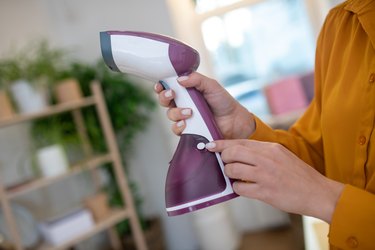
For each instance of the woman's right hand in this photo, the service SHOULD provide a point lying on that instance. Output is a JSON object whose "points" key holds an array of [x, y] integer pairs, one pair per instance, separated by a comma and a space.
{"points": [[233, 120]]}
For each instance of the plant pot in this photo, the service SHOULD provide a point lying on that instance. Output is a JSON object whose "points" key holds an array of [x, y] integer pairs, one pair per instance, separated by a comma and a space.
{"points": [[68, 90], [52, 160], [98, 206], [153, 234], [28, 100], [6, 109]]}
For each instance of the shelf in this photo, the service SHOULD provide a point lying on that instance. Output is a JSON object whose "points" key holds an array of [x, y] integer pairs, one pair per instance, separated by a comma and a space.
{"points": [[52, 110], [88, 164], [117, 216]]}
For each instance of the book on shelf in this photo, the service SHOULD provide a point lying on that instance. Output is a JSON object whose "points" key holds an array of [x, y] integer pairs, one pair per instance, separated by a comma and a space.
{"points": [[285, 95]]}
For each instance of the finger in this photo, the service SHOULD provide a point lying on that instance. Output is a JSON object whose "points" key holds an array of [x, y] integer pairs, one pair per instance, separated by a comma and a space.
{"points": [[158, 88], [166, 97], [203, 83], [242, 172], [178, 127], [220, 145], [249, 190], [245, 151], [241, 154], [177, 114]]}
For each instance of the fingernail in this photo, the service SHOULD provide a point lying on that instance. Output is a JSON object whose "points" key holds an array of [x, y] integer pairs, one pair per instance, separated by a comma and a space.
{"points": [[168, 93], [156, 87], [182, 78], [210, 145], [186, 111], [180, 124]]}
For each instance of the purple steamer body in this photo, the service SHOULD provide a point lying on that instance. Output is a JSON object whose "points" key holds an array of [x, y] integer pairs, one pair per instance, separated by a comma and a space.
{"points": [[186, 168], [185, 60]]}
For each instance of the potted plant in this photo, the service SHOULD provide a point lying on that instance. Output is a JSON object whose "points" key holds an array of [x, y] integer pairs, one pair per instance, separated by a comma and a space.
{"points": [[68, 90], [50, 153], [52, 160], [98, 205], [29, 72]]}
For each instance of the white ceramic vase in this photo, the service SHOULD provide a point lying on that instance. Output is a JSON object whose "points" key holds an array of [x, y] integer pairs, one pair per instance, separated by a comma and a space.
{"points": [[52, 160], [27, 98]]}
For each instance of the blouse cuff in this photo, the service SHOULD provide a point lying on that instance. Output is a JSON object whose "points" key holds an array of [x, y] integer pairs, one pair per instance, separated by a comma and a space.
{"points": [[353, 221], [262, 132]]}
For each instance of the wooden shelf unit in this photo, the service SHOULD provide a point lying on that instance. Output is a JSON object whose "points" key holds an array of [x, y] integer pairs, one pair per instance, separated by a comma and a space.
{"points": [[89, 164]]}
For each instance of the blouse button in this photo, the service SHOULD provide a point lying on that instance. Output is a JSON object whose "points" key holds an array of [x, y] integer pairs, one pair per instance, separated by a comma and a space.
{"points": [[352, 242], [362, 140], [372, 78]]}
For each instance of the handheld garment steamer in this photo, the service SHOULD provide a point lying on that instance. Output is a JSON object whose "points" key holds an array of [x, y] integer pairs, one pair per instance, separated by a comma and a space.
{"points": [[195, 177]]}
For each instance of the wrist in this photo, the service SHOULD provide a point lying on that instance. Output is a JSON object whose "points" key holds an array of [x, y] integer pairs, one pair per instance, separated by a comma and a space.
{"points": [[331, 194], [246, 126]]}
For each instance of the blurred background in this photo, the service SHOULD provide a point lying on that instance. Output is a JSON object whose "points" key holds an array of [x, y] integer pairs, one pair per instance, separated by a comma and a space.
{"points": [[63, 137]]}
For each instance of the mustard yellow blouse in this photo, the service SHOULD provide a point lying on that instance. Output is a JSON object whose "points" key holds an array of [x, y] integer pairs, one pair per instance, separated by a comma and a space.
{"points": [[336, 134]]}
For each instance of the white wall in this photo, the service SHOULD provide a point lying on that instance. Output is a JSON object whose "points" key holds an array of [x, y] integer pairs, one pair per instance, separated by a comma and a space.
{"points": [[76, 25], [21, 22]]}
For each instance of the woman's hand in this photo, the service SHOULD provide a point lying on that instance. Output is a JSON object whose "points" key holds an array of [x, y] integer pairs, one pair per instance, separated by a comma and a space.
{"points": [[233, 120], [271, 173]]}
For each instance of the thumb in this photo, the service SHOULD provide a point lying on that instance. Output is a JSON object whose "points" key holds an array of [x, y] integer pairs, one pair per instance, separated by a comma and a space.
{"points": [[199, 81]]}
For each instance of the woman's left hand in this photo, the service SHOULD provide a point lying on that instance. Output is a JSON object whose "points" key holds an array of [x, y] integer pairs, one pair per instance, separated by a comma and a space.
{"points": [[271, 173]]}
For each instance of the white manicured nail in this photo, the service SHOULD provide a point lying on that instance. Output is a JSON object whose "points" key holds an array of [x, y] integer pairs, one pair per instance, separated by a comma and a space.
{"points": [[210, 145], [182, 78], [180, 124], [186, 111], [168, 93]]}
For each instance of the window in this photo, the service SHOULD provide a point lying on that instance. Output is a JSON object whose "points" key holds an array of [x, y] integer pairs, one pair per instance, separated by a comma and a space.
{"points": [[254, 44], [202, 6]]}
